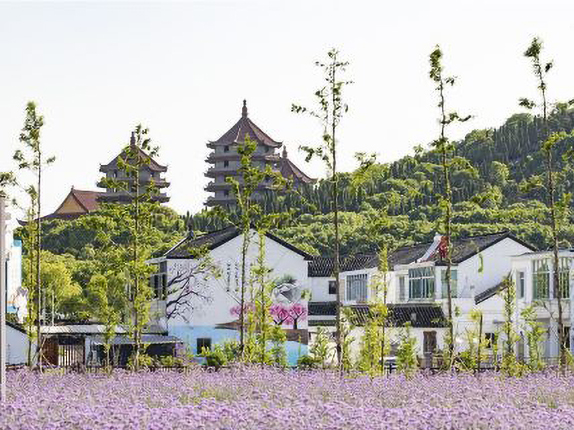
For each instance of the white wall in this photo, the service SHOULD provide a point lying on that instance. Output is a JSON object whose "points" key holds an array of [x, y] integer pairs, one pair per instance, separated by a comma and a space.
{"points": [[207, 316], [17, 346], [496, 264]]}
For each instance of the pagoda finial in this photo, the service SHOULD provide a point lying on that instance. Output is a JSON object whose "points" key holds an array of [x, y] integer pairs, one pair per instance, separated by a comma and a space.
{"points": [[133, 139], [284, 151], [244, 109]]}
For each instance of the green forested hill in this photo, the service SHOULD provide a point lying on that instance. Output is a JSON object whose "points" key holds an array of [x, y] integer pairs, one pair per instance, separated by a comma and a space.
{"points": [[395, 204], [406, 190]]}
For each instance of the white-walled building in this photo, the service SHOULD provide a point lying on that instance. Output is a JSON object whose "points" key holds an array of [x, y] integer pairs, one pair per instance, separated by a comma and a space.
{"points": [[203, 309], [417, 286], [533, 275]]}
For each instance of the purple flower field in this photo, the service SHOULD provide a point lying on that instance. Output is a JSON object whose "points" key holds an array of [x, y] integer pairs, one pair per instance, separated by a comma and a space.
{"points": [[270, 399]]}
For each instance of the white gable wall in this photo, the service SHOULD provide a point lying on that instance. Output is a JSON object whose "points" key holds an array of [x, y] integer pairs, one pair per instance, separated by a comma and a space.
{"points": [[496, 264]]}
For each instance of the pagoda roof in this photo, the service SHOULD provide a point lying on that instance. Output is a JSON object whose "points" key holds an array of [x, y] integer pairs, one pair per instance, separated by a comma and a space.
{"points": [[75, 204], [290, 171], [153, 165], [243, 127]]}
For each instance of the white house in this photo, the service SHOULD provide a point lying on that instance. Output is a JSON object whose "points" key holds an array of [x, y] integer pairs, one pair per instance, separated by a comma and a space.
{"points": [[533, 274], [202, 309], [417, 291]]}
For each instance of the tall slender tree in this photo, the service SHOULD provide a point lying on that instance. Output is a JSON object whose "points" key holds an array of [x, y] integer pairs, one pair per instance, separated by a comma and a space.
{"points": [[249, 214], [138, 213], [445, 148], [548, 143], [33, 159], [330, 111]]}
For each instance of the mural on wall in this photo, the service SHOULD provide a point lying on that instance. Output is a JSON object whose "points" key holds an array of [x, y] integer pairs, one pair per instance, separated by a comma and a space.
{"points": [[188, 288], [205, 310]]}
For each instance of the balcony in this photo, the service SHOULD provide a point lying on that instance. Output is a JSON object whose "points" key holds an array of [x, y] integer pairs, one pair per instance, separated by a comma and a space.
{"points": [[212, 172]]}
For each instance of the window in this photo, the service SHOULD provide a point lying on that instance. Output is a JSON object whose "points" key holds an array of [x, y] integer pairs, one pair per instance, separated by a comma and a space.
{"points": [[226, 163], [158, 282], [226, 193], [520, 284], [490, 339], [541, 279], [421, 283], [453, 283], [357, 287], [567, 338], [203, 342], [402, 289], [226, 148], [332, 287], [429, 342], [564, 277]]}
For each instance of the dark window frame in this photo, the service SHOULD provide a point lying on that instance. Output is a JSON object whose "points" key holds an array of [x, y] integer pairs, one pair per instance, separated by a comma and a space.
{"points": [[332, 287]]}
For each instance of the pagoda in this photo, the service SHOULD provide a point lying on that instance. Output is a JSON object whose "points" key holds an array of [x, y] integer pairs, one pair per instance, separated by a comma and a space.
{"points": [[226, 162], [152, 171]]}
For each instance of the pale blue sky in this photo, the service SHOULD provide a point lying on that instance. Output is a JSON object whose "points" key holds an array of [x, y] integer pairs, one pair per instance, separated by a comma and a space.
{"points": [[182, 69]]}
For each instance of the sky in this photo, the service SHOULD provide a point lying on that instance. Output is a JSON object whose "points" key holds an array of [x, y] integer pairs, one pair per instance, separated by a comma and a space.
{"points": [[182, 69]]}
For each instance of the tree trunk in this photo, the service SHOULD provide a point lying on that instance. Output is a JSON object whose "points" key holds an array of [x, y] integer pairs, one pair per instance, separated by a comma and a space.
{"points": [[38, 263]]}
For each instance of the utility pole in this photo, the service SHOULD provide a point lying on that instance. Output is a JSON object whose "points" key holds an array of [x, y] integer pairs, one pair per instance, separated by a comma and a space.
{"points": [[3, 219]]}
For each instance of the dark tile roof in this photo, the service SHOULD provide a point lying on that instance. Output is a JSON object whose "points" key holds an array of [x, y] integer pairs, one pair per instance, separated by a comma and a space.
{"points": [[214, 239], [245, 126], [152, 165], [419, 315], [463, 249], [321, 323], [488, 293], [322, 308], [322, 267], [290, 171]]}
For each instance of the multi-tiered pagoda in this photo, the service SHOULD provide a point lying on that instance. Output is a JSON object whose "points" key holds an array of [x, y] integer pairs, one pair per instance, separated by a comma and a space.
{"points": [[151, 171], [225, 161]]}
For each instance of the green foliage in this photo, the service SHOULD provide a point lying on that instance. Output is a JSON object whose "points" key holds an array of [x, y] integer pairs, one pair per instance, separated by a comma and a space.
{"points": [[215, 357], [407, 362], [308, 362], [278, 339], [375, 345], [320, 349], [535, 334], [470, 358], [142, 361], [509, 364]]}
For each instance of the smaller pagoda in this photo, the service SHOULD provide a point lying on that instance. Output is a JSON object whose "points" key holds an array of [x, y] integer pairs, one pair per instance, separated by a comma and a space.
{"points": [[152, 171]]}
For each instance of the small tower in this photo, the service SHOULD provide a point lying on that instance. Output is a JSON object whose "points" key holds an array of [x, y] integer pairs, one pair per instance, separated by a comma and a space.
{"points": [[152, 171]]}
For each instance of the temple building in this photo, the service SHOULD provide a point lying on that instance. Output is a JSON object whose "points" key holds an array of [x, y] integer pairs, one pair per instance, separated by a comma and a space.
{"points": [[225, 161], [76, 204], [152, 171]]}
